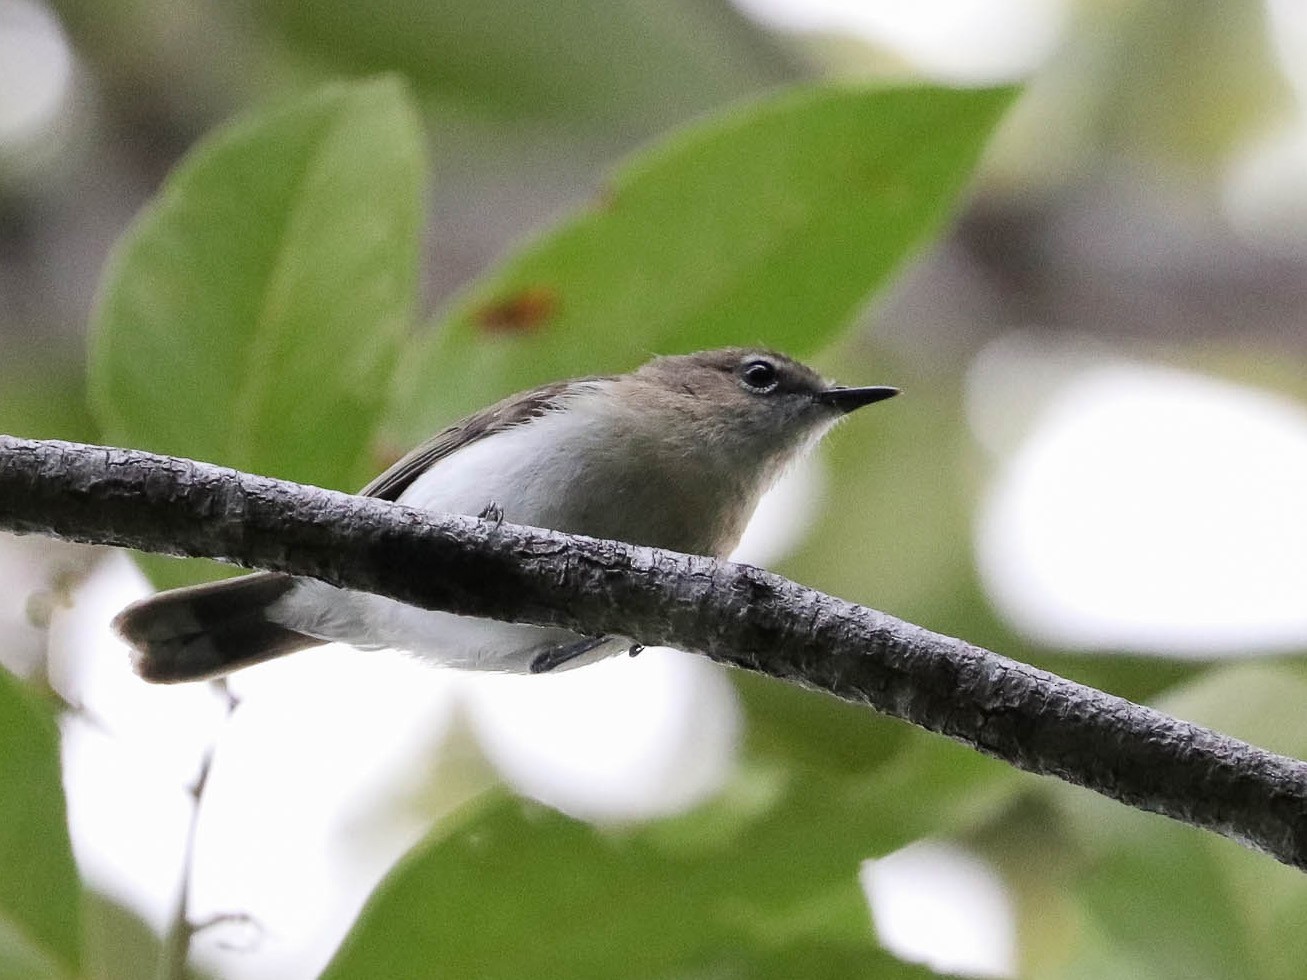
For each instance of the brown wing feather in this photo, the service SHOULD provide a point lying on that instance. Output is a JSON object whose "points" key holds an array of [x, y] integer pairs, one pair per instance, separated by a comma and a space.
{"points": [[514, 410]]}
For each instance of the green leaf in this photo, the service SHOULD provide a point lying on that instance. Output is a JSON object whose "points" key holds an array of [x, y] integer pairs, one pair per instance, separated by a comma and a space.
{"points": [[1168, 899], [815, 961], [1272, 900], [740, 887], [44, 398], [520, 891], [1106, 891], [40, 894], [119, 945], [824, 819], [812, 730], [1169, 906], [770, 225], [252, 315]]}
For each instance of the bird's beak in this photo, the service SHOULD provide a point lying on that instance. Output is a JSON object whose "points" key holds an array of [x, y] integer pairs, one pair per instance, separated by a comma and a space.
{"points": [[847, 399]]}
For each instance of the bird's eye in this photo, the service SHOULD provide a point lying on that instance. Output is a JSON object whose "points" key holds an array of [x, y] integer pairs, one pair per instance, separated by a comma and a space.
{"points": [[759, 375]]}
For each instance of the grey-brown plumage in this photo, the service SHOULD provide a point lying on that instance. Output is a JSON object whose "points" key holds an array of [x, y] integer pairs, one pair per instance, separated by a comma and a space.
{"points": [[673, 455]]}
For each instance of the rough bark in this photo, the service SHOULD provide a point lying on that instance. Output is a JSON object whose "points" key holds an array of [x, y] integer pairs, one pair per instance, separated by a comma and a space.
{"points": [[735, 614]]}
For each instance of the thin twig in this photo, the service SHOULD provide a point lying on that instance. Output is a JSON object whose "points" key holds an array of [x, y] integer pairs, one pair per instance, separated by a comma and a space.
{"points": [[733, 613], [176, 949]]}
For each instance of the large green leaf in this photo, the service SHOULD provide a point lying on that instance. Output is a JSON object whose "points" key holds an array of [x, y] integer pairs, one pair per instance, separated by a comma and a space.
{"points": [[519, 891], [739, 887], [1165, 901], [770, 225], [253, 313], [40, 895]]}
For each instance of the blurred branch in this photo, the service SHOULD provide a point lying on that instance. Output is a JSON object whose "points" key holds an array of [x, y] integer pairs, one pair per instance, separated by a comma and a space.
{"points": [[1120, 260], [734, 613]]}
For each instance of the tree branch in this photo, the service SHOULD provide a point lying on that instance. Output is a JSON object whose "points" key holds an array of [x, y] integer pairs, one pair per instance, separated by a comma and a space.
{"points": [[735, 614]]}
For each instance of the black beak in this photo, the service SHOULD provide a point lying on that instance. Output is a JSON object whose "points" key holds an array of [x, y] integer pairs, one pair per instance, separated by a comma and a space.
{"points": [[847, 399]]}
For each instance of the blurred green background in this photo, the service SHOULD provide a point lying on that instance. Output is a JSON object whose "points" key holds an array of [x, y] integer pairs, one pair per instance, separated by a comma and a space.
{"points": [[297, 237]]}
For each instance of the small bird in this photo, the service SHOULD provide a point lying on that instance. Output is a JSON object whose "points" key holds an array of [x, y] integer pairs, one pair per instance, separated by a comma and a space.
{"points": [[674, 455]]}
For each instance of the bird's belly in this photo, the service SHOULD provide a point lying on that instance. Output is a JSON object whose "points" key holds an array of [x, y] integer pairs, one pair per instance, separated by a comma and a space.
{"points": [[372, 622]]}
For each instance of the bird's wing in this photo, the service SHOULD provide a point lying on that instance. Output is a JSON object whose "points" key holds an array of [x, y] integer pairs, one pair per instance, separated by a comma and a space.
{"points": [[514, 410]]}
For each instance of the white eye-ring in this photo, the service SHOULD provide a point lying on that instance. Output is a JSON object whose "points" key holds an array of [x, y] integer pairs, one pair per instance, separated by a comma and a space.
{"points": [[759, 376]]}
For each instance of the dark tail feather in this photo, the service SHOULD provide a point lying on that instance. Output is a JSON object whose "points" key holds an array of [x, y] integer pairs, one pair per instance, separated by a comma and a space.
{"points": [[208, 630]]}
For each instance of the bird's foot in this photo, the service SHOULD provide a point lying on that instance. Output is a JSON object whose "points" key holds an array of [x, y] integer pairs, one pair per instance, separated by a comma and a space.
{"points": [[555, 657]]}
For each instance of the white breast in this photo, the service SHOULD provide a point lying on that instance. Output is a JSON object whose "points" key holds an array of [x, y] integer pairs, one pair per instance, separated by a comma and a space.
{"points": [[526, 470]]}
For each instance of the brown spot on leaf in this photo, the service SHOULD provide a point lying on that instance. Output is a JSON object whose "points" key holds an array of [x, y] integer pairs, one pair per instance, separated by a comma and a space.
{"points": [[527, 309]]}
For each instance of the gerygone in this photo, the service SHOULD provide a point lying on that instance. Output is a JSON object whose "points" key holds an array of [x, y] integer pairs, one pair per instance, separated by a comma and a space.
{"points": [[673, 455]]}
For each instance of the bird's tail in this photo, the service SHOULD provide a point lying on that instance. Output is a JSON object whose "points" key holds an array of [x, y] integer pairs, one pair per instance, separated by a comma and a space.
{"points": [[208, 630]]}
